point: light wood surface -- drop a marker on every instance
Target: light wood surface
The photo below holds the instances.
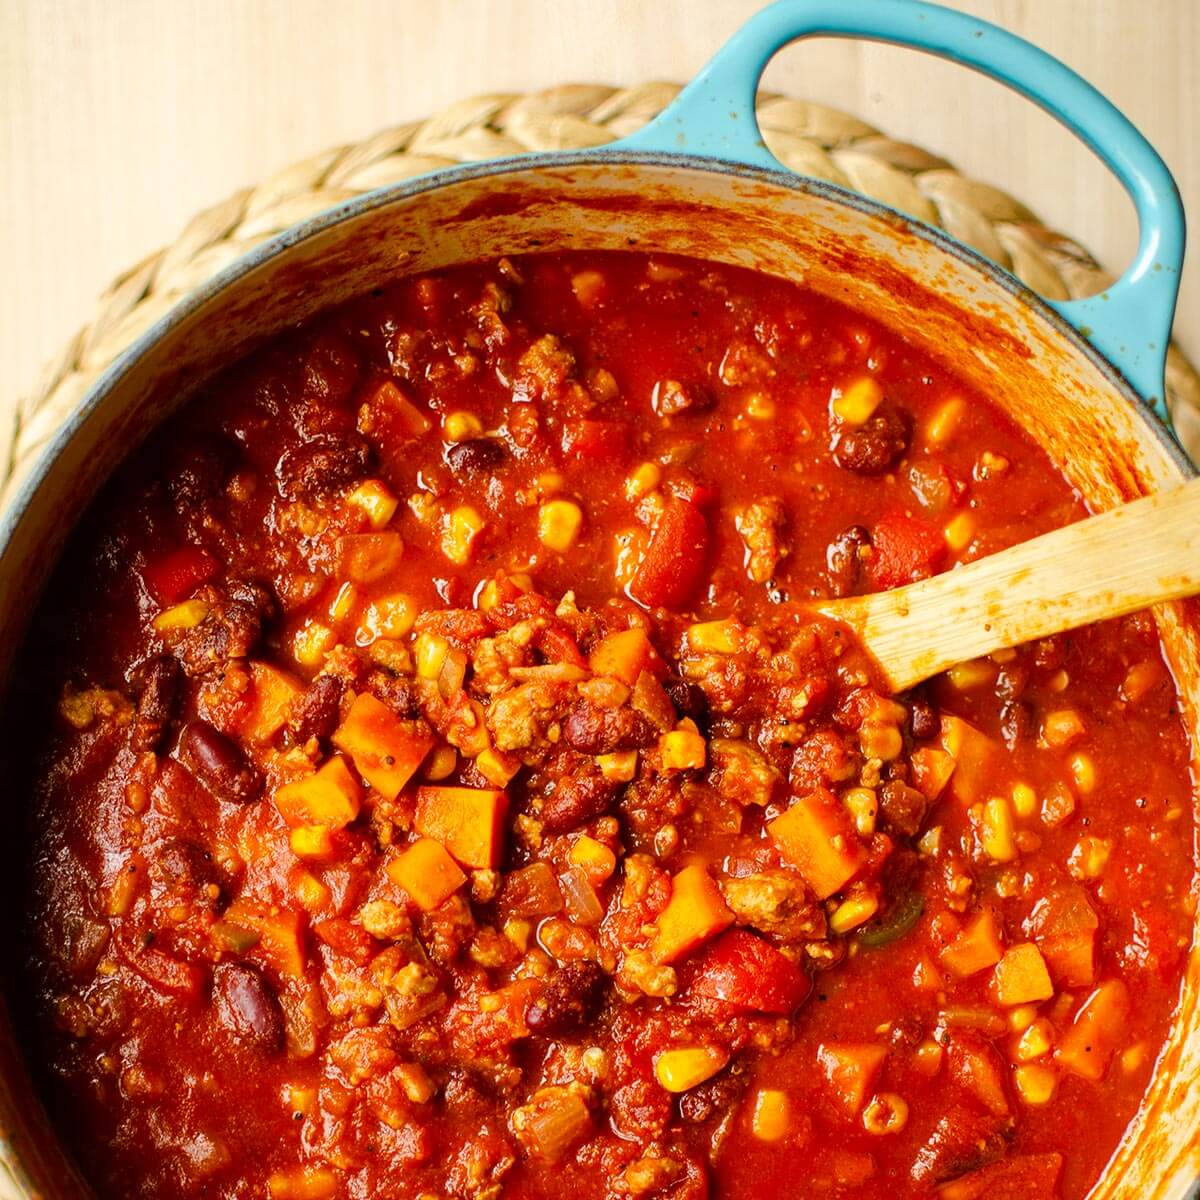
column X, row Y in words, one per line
column 1135, row 556
column 119, row 120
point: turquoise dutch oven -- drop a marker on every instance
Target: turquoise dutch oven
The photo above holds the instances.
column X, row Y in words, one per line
column 1085, row 378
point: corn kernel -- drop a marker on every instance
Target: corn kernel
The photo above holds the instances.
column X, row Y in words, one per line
column 431, row 651
column 1061, row 727
column 461, row 426
column 679, row 1070
column 771, row 1115
column 1021, row 1017
column 1133, row 1057
column 312, row 841
column 959, row 531
column 885, row 1113
column 928, row 1057
column 595, row 858
column 964, row 677
column 187, row 615
column 620, row 766
column 1083, row 771
column 417, row 1085
column 518, row 931
column 344, row 603
column 643, row 480
column 682, row 750
column 1035, row 1083
column 388, row 617
column 945, row 421
column 853, row 911
column 441, row 763
column 497, row 767
column 883, row 742
column 1024, row 800
column 858, row 402
column 559, row 523
column 463, row 526
column 1035, row 1042
column 312, row 642
column 715, row 637
column 760, row 407
column 863, row 806
column 1089, row 857
column 997, row 832
column 373, row 499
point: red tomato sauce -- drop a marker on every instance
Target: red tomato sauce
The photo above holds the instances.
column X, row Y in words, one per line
column 438, row 786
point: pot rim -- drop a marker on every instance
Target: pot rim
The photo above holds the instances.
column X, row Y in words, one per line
column 22, row 500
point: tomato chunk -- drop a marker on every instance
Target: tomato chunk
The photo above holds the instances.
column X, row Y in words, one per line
column 594, row 441
column 746, row 971
column 172, row 576
column 906, row 549
column 673, row 567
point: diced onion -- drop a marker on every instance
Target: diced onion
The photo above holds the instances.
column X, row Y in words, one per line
column 583, row 905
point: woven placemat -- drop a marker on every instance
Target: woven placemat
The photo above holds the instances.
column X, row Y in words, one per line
column 810, row 138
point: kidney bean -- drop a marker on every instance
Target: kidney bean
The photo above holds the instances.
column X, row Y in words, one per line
column 316, row 713
column 476, row 457
column 247, row 1007
column 591, row 729
column 843, row 557
column 187, row 870
column 220, row 763
column 159, row 678
column 903, row 807
column 871, row 448
column 577, row 798
column 571, row 999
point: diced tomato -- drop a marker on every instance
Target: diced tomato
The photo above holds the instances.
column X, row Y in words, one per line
column 906, row 549
column 594, row 441
column 674, row 564
column 1025, row 1177
column 746, row 971
column 172, row 576
column 697, row 493
column 559, row 646
column 163, row 972
column 346, row 938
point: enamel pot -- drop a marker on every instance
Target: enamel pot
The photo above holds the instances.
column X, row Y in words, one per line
column 1084, row 378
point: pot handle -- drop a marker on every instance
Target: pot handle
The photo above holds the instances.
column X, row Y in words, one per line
column 1130, row 323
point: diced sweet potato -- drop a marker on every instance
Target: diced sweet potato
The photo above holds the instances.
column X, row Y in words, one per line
column 304, row 1183
column 1021, row 976
column 1026, row 1177
column 977, row 947
column 624, row 655
column 694, row 913
column 850, row 1069
column 279, row 943
column 369, row 557
column 1088, row 1045
column 270, row 701
column 748, row 972
column 427, row 873
column 817, row 837
column 469, row 822
column 931, row 771
column 975, row 759
column 387, row 416
column 329, row 797
column 976, row 1066
column 1063, row 924
column 386, row 750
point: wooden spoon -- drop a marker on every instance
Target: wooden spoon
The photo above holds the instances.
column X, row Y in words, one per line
column 1130, row 558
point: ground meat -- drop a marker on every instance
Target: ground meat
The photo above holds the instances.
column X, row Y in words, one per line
column 233, row 627
column 591, row 729
column 877, row 445
column 903, row 807
column 844, row 559
column 579, row 797
column 761, row 525
column 570, row 1000
column 198, row 471
column 159, row 679
column 480, row 456
column 671, row 397
column 712, row 1099
column 960, row 1141
column 775, row 902
column 315, row 714
column 543, row 368
column 322, row 466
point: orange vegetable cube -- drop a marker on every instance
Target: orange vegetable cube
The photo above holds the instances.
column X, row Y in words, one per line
column 387, row 416
column 977, row 947
column 369, row 557
column 304, row 1183
column 328, row 797
column 976, row 759
column 313, row 842
column 386, row 750
column 695, row 912
column 623, row 655
column 817, row 837
column 271, row 701
column 931, row 770
column 850, row 1069
column 469, row 822
column 427, row 873
column 1088, row 1045
column 310, row 892
column 1021, row 976
column 279, row 934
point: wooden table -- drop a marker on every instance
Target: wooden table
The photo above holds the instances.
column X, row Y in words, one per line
column 121, row 120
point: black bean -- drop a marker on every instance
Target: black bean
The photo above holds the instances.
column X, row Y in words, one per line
column 477, row 457
column 874, row 447
column 570, row 1000
column 319, row 467
column 247, row 1007
column 923, row 718
column 843, row 557
column 220, row 763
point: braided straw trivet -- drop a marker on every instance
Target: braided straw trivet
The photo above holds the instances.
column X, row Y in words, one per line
column 809, row 138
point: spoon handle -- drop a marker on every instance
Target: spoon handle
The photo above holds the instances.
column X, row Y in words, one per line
column 1127, row 559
